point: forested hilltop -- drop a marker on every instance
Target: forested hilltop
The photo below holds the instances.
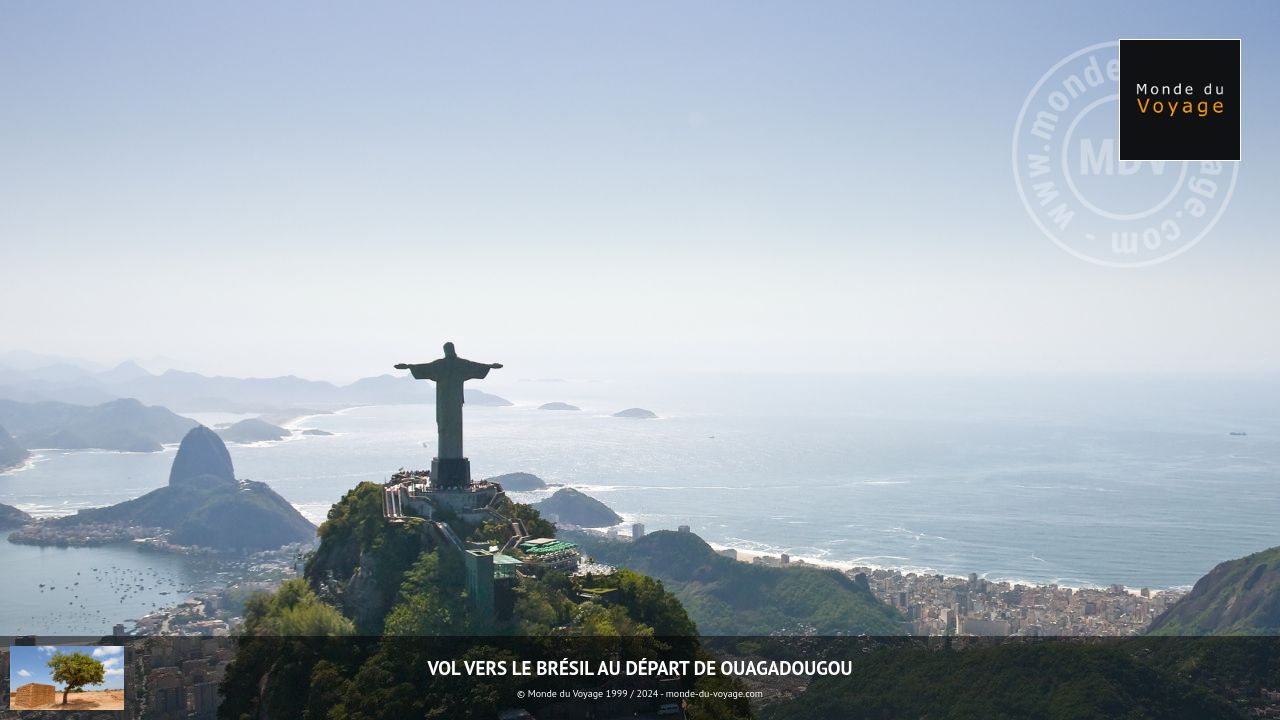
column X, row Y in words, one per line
column 728, row 597
column 1238, row 597
column 379, row 599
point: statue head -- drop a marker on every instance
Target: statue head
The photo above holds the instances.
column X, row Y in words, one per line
column 449, row 351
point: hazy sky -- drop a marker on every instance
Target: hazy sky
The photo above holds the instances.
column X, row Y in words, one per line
column 325, row 189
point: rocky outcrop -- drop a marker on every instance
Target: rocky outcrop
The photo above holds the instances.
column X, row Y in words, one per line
column 203, row 505
column 360, row 564
column 637, row 413
column 519, row 481
column 203, row 460
column 253, row 430
column 576, row 508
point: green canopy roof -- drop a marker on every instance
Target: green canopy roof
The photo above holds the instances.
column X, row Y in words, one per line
column 556, row 546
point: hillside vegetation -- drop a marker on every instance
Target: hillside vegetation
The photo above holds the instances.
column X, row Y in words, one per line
column 1238, row 597
column 406, row 601
column 728, row 597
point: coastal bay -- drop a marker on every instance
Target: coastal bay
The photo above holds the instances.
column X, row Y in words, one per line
column 1079, row 501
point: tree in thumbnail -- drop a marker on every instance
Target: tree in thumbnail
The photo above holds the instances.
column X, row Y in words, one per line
column 76, row 670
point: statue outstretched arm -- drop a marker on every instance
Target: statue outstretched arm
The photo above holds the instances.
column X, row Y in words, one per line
column 424, row 371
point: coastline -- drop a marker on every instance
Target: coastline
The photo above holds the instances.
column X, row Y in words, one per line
column 746, row 549
column 312, row 512
column 936, row 604
column 29, row 462
column 774, row 557
column 293, row 422
column 750, row 556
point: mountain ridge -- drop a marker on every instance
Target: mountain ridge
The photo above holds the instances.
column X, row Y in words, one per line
column 190, row 391
column 124, row 424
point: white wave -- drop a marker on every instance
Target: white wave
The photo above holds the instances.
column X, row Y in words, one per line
column 27, row 464
column 315, row 512
column 39, row 510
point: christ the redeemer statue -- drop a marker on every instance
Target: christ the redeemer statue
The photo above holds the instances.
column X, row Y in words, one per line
column 450, row 468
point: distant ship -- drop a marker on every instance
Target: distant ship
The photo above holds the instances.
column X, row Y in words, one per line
column 1241, row 434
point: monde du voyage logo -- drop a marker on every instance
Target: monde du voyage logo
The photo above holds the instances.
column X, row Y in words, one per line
column 1124, row 152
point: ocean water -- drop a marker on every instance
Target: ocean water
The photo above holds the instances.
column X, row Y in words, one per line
column 86, row 591
column 1083, row 482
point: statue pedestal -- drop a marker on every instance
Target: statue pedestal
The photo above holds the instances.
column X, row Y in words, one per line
column 450, row 472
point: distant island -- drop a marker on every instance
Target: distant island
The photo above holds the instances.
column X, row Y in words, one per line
column 558, row 406
column 203, row 506
column 125, row 425
column 253, row 430
column 11, row 517
column 317, row 432
column 577, row 508
column 519, row 481
column 11, row 453
column 639, row 413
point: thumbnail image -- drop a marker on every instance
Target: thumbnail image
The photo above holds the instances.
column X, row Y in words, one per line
column 73, row 677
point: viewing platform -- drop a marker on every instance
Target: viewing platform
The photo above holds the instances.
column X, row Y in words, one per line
column 410, row 493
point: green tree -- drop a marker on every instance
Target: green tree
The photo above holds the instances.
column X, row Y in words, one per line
column 294, row 611
column 432, row 599
column 76, row 670
column 499, row 531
